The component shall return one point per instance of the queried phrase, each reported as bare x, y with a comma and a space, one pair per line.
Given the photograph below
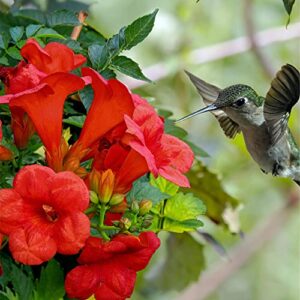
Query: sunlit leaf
207, 186
142, 189
164, 185
181, 212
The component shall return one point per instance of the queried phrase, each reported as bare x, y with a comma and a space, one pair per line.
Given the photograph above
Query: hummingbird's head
238, 97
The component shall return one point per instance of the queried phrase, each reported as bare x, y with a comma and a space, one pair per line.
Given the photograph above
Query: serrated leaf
87, 95
31, 14
62, 17
48, 33
128, 67
181, 212
51, 283
116, 43
183, 265
139, 30
98, 55
207, 186
20, 277
164, 185
4, 40
16, 32
75, 120
142, 189
14, 52
32, 29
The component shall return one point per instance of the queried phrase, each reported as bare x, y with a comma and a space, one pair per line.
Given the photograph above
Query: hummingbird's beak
197, 112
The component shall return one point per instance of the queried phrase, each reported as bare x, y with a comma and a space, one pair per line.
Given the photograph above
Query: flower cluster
76, 204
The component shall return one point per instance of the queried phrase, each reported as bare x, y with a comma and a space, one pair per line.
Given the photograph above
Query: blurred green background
182, 27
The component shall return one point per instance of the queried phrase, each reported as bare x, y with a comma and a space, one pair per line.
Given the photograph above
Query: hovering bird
263, 121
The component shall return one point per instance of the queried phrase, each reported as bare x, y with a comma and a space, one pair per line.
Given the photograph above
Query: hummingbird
263, 121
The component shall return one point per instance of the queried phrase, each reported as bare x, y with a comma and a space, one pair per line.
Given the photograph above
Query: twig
77, 29
263, 60
218, 274
218, 51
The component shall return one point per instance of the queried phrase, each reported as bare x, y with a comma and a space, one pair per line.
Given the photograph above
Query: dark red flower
166, 155
108, 269
5, 153
43, 214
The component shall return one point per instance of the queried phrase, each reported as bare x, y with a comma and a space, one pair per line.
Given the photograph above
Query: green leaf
14, 52
32, 29
207, 186
31, 14
20, 277
16, 33
288, 4
183, 265
171, 128
181, 212
4, 61
62, 17
75, 120
108, 74
128, 67
48, 33
196, 149
142, 189
87, 95
98, 55
164, 185
51, 283
4, 40
139, 30
116, 43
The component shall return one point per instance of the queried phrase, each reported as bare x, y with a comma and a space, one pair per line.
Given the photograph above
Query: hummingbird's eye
240, 102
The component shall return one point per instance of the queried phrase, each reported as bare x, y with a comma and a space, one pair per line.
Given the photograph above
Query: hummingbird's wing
210, 94
281, 97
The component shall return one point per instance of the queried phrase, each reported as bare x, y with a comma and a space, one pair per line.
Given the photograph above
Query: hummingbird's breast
258, 143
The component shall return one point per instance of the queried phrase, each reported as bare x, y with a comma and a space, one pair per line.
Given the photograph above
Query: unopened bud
134, 206
116, 199
120, 208
145, 206
94, 197
125, 223
148, 219
106, 186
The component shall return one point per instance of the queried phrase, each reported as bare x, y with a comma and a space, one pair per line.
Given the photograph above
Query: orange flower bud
93, 180
116, 199
120, 208
106, 186
145, 206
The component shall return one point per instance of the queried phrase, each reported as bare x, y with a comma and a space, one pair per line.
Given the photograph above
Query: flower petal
31, 247
12, 206
68, 192
30, 183
71, 232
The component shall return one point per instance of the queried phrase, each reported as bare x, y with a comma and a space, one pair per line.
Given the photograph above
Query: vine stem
77, 29
102, 227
